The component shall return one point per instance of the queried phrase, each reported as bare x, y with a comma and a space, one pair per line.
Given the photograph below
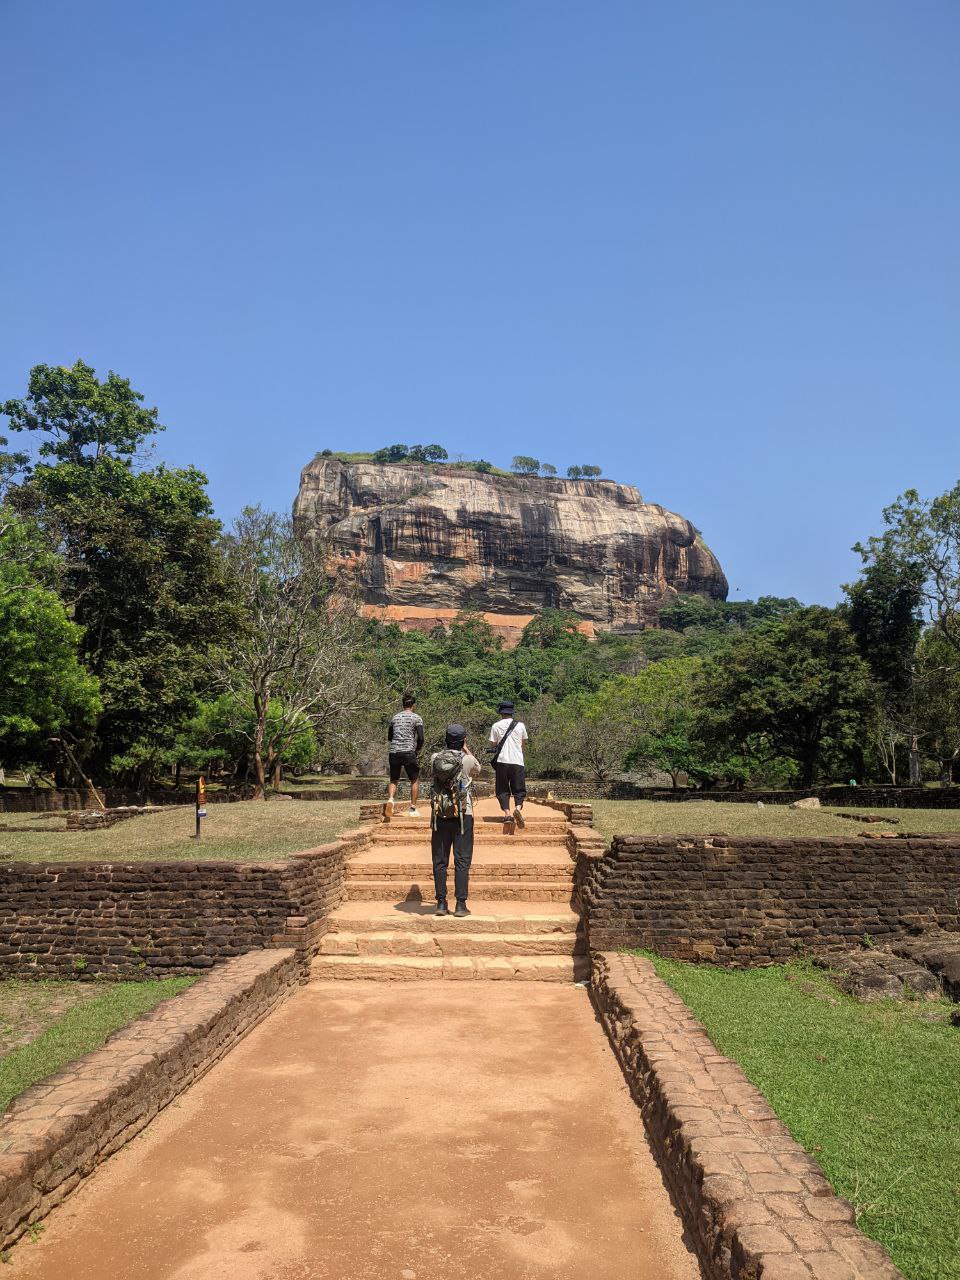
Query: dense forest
140, 639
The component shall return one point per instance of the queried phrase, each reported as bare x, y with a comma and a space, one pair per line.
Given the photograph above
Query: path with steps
522, 925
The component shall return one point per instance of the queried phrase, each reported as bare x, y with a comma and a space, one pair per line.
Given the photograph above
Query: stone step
464, 968
420, 889
357, 870
466, 942
389, 834
481, 827
485, 917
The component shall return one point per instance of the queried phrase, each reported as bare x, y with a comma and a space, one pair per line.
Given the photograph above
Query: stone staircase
522, 924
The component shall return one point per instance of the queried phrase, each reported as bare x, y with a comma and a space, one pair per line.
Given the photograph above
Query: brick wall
59, 1130
754, 1202
744, 901
862, 797
134, 919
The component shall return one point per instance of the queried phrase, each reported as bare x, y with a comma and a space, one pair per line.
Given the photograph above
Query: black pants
511, 780
446, 837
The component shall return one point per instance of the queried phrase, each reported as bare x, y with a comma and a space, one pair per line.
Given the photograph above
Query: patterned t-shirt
405, 737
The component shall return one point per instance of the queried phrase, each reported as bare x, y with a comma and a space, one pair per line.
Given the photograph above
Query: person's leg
502, 785
413, 773
462, 857
395, 766
519, 785
441, 842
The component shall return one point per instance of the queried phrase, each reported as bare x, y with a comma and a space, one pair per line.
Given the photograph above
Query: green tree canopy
795, 687
81, 418
44, 690
925, 533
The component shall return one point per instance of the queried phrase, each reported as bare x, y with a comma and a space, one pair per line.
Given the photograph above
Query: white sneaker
414, 813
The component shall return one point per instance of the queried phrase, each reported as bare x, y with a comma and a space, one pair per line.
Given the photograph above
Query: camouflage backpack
446, 800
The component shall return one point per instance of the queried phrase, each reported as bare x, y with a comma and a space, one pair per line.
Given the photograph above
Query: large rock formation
427, 541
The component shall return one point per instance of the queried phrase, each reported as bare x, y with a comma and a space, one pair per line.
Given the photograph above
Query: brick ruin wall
748, 901
149, 919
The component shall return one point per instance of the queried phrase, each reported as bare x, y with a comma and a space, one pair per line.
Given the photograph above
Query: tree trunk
260, 710
176, 776
915, 778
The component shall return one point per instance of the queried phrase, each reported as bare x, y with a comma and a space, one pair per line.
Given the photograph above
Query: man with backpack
405, 736
507, 738
451, 817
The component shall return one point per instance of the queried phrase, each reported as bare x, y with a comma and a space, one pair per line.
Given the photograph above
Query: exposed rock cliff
427, 541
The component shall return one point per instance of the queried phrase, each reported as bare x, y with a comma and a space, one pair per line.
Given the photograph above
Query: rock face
426, 542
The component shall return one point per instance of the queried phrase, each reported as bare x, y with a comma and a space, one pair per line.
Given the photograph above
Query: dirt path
386, 1131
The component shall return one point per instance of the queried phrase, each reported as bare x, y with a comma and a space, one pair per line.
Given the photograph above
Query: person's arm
524, 736
390, 732
494, 739
419, 728
472, 764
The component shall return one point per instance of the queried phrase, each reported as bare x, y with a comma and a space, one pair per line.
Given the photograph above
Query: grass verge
82, 1028
712, 817
870, 1090
248, 830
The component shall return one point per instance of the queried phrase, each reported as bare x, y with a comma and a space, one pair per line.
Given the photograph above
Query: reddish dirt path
386, 1131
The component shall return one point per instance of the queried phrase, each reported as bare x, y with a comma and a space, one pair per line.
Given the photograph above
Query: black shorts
404, 760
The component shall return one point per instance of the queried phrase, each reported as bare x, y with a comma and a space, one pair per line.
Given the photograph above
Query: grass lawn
711, 817
44, 1025
248, 830
870, 1090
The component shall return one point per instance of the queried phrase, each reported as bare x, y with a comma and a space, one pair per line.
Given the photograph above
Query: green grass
247, 830
80, 1029
870, 1090
664, 817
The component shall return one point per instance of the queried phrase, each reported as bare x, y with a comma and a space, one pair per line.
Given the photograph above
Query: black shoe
461, 909
518, 817
442, 909
505, 815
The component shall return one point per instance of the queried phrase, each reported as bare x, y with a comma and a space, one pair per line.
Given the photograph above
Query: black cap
456, 736
505, 709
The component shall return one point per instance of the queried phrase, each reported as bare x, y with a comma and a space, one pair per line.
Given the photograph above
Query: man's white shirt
512, 752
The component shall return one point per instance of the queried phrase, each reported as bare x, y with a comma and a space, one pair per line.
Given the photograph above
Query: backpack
446, 800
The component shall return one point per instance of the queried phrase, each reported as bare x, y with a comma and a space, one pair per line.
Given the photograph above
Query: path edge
756, 1204
59, 1130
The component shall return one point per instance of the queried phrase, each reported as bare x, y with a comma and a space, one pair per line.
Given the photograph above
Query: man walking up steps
451, 822
507, 738
405, 736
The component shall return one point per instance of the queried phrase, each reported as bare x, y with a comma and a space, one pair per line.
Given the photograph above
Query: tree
548, 469
44, 692
795, 687
435, 453
139, 568
590, 473
938, 703
926, 532
666, 697
483, 466
292, 659
574, 473
884, 614
82, 418
10, 465
392, 453
219, 734
524, 466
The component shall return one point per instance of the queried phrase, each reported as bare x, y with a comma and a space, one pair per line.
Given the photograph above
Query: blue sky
712, 248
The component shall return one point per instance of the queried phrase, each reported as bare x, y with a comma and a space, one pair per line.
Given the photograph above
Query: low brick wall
879, 797
133, 919
751, 900
60, 1130
756, 1204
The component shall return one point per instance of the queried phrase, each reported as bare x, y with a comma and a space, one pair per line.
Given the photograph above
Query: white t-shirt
512, 752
